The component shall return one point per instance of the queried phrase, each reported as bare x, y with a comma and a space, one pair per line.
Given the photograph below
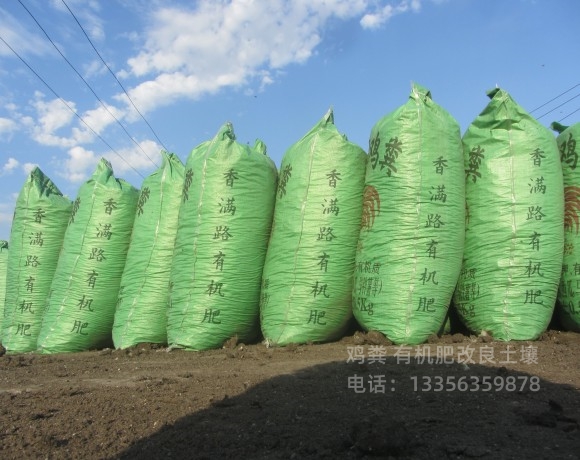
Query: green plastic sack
224, 224
3, 274
307, 281
40, 221
413, 229
85, 288
141, 315
568, 306
514, 234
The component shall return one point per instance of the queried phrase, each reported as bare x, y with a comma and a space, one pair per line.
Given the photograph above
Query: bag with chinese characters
514, 233
413, 228
224, 224
141, 313
40, 220
307, 281
81, 305
3, 273
567, 308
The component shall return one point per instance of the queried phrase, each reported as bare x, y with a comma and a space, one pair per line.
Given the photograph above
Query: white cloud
23, 41
191, 52
382, 15
7, 126
87, 14
98, 119
145, 156
188, 52
10, 166
52, 116
28, 167
79, 164
94, 68
5, 217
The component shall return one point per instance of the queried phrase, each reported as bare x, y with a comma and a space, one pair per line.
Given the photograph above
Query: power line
114, 76
68, 106
87, 84
558, 106
571, 113
553, 99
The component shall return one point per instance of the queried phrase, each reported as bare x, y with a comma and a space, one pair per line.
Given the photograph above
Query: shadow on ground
389, 411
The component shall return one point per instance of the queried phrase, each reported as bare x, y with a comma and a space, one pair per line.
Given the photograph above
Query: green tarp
141, 315
568, 305
413, 229
36, 237
85, 288
307, 282
514, 234
224, 225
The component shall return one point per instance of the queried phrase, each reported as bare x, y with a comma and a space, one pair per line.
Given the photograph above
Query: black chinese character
31, 261
392, 150
75, 208
227, 206
427, 276
475, 157
110, 206
326, 233
92, 279
537, 156
78, 327
85, 303
568, 152
230, 176
535, 212
210, 316
222, 232
439, 194
97, 254
215, 288
39, 214
286, 174
537, 185
36, 239
219, 261
316, 317
318, 289
532, 296
425, 304
432, 249
434, 220
142, 200
323, 261
535, 241
331, 208
333, 176
186, 184
440, 164
104, 231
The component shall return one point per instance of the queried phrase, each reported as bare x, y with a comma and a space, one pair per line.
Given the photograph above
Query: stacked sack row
226, 245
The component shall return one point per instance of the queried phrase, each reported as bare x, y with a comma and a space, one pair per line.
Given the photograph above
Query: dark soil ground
329, 401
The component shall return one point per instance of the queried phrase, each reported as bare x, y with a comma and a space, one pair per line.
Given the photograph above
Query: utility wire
553, 99
114, 76
558, 106
69, 107
87, 84
571, 113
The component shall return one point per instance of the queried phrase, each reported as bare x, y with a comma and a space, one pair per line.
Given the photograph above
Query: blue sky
272, 68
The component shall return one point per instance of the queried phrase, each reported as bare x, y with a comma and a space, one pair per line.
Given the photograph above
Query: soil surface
360, 397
